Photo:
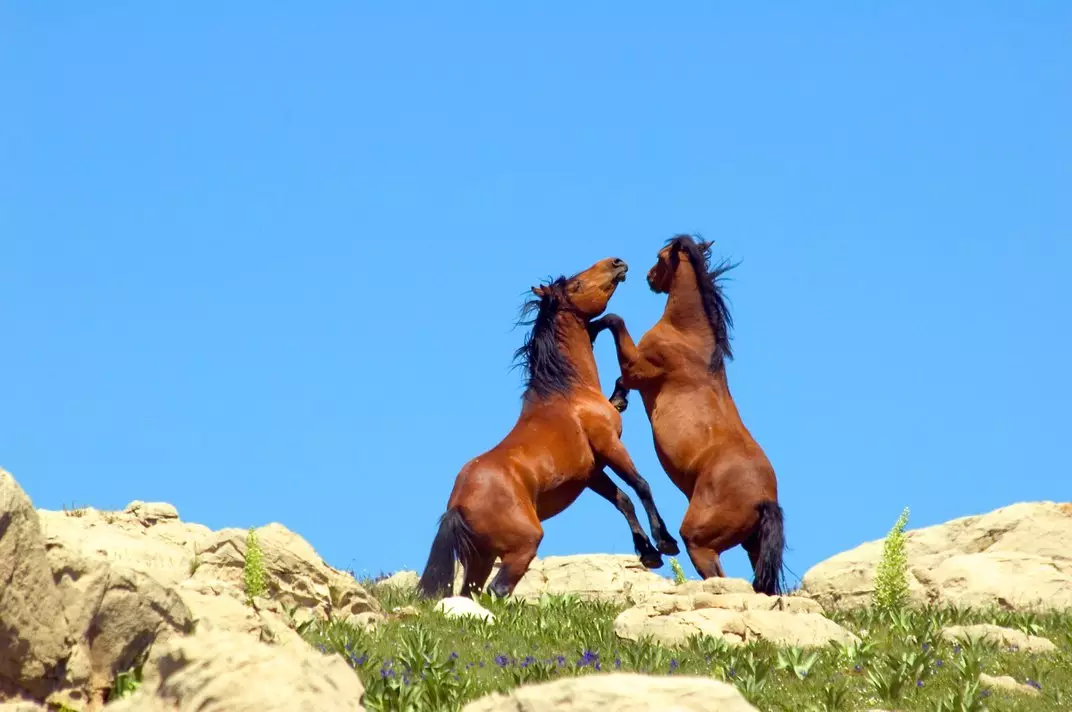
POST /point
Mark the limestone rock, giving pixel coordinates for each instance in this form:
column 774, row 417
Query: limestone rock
column 1007, row 683
column 140, row 538
column 619, row 578
column 115, row 614
column 211, row 671
column 621, row 692
column 297, row 576
column 461, row 606
column 33, row 630
column 737, row 618
column 21, row 706
column 1004, row 637
column 1015, row 557
column 220, row 606
column 406, row 580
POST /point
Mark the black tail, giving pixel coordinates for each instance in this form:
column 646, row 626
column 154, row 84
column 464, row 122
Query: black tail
column 771, row 535
column 453, row 540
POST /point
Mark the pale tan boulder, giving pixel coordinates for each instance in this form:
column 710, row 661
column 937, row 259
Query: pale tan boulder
column 221, row 671
column 1003, row 637
column 1015, row 557
column 620, row 692
column 736, row 617
column 405, row 580
column 34, row 644
column 462, row 607
column 1007, row 683
column 297, row 576
column 163, row 548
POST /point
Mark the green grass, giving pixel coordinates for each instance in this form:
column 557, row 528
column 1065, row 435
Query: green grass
column 430, row 662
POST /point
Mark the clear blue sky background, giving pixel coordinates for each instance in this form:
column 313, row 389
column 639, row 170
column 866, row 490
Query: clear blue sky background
column 264, row 262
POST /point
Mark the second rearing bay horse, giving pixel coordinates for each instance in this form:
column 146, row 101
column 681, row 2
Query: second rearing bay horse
column 568, row 431
column 679, row 369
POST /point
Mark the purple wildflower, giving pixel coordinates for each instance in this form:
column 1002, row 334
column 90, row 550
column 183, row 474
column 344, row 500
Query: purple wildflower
column 502, row 660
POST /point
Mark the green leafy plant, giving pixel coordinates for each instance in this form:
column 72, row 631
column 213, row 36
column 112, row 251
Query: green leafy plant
column 254, row 575
column 125, row 684
column 891, row 577
column 797, row 661
column 679, row 573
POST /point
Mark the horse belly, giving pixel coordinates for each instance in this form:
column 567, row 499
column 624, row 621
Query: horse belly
column 553, row 501
column 680, row 438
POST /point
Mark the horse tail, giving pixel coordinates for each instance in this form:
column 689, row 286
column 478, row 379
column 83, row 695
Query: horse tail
column 771, row 535
column 454, row 540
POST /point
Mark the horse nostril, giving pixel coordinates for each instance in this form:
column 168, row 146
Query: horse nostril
column 618, row 263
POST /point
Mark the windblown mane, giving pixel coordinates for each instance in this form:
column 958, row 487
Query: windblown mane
column 547, row 368
column 714, row 302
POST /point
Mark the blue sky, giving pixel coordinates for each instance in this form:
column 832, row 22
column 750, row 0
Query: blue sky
column 265, row 262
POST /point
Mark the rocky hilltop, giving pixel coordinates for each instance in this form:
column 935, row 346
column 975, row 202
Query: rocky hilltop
column 86, row 595
column 1017, row 557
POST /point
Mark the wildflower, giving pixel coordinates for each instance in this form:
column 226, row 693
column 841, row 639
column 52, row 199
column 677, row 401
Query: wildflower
column 561, row 660
column 919, row 683
column 617, row 663
column 529, row 660
column 453, row 655
column 674, row 665
column 588, row 658
column 1034, row 684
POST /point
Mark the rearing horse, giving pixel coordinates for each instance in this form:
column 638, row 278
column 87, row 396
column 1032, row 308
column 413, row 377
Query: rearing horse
column 567, row 432
column 708, row 453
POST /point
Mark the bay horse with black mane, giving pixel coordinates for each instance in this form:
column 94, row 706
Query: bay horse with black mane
column 679, row 368
column 565, row 436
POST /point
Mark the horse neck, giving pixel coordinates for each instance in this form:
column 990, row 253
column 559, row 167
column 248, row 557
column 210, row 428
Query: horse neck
column 685, row 311
column 576, row 346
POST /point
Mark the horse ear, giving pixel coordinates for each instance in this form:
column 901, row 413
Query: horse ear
column 540, row 292
column 706, row 244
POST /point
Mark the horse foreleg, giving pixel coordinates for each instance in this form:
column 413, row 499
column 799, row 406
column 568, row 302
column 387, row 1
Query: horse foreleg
column 604, row 486
column 613, row 453
column 636, row 370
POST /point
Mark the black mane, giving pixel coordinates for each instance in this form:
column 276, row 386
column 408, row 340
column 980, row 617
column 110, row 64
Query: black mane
column 714, row 302
column 548, row 369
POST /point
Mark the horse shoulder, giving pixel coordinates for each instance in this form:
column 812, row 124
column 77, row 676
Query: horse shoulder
column 595, row 414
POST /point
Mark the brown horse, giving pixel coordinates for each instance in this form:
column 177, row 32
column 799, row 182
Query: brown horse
column 567, row 432
column 679, row 369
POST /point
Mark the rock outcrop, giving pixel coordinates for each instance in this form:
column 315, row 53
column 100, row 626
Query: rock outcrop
column 86, row 594
column 1007, row 638
column 212, row 671
column 621, row 692
column 1015, row 557
column 610, row 577
column 34, row 638
column 728, row 609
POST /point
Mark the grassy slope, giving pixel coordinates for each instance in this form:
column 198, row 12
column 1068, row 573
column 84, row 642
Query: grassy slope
column 429, row 662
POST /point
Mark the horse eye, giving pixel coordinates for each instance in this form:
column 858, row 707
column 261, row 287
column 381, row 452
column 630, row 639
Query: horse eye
column 575, row 286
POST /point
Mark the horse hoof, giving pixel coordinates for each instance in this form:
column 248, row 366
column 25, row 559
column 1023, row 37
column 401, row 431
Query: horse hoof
column 651, row 561
column 669, row 547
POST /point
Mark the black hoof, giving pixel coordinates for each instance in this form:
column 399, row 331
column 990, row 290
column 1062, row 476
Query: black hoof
column 669, row 547
column 651, row 560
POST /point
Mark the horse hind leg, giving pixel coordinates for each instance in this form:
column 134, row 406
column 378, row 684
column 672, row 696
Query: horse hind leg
column 477, row 571
column 518, row 550
column 706, row 536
